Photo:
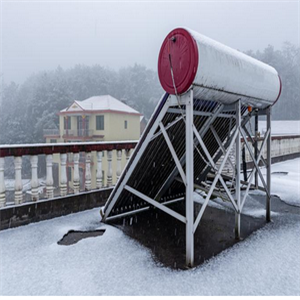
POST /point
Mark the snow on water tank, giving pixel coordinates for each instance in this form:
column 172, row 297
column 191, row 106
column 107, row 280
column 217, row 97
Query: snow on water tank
column 217, row 72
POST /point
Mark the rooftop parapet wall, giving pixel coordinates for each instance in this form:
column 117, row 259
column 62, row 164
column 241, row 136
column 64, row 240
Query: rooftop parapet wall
column 22, row 211
column 22, row 214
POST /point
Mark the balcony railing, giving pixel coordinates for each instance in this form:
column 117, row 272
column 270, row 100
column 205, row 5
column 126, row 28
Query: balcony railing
column 76, row 155
column 70, row 133
column 51, row 132
column 78, row 133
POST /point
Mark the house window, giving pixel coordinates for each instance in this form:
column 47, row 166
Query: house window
column 67, row 123
column 125, row 124
column 52, row 141
column 83, row 125
column 99, row 122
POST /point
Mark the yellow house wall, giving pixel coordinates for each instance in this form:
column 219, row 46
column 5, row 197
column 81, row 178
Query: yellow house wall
column 114, row 127
column 92, row 123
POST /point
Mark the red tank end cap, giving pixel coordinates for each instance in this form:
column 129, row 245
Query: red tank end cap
column 179, row 49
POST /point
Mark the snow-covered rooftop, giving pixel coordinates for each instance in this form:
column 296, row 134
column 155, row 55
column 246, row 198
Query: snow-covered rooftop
column 100, row 103
column 266, row 263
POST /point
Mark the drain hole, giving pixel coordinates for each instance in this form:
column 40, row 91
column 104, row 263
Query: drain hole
column 280, row 173
column 72, row 237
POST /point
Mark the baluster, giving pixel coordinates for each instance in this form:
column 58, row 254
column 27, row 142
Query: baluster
column 109, row 168
column 63, row 174
column 49, row 176
column 119, row 166
column 99, row 170
column 76, row 182
column 127, row 153
column 34, row 178
column 18, row 180
column 88, row 177
column 2, row 183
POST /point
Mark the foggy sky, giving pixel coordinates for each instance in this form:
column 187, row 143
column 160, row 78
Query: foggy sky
column 40, row 35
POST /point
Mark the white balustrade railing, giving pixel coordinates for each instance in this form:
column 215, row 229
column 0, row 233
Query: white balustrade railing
column 109, row 169
column 89, row 163
column 34, row 178
column 119, row 157
column 88, row 176
column 18, row 180
column 99, row 176
column 49, row 177
column 63, row 174
column 76, row 179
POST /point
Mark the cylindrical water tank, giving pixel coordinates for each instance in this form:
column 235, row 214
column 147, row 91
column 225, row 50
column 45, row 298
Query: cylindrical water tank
column 217, row 72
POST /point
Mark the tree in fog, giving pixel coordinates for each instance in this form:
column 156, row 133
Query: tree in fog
column 28, row 109
column 140, row 87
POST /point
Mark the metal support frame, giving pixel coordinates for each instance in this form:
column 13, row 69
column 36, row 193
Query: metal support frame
column 126, row 214
column 221, row 145
column 253, row 144
column 215, row 181
column 254, row 169
column 256, row 146
column 167, row 127
column 156, row 204
column 256, row 162
column 189, row 202
column 169, row 143
column 202, row 132
column 193, row 139
column 238, row 172
column 211, row 161
column 268, row 200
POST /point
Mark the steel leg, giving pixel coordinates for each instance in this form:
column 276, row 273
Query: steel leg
column 189, row 181
column 256, row 148
column 238, row 172
column 268, row 200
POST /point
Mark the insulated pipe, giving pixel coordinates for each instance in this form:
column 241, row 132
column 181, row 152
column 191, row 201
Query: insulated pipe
column 215, row 71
